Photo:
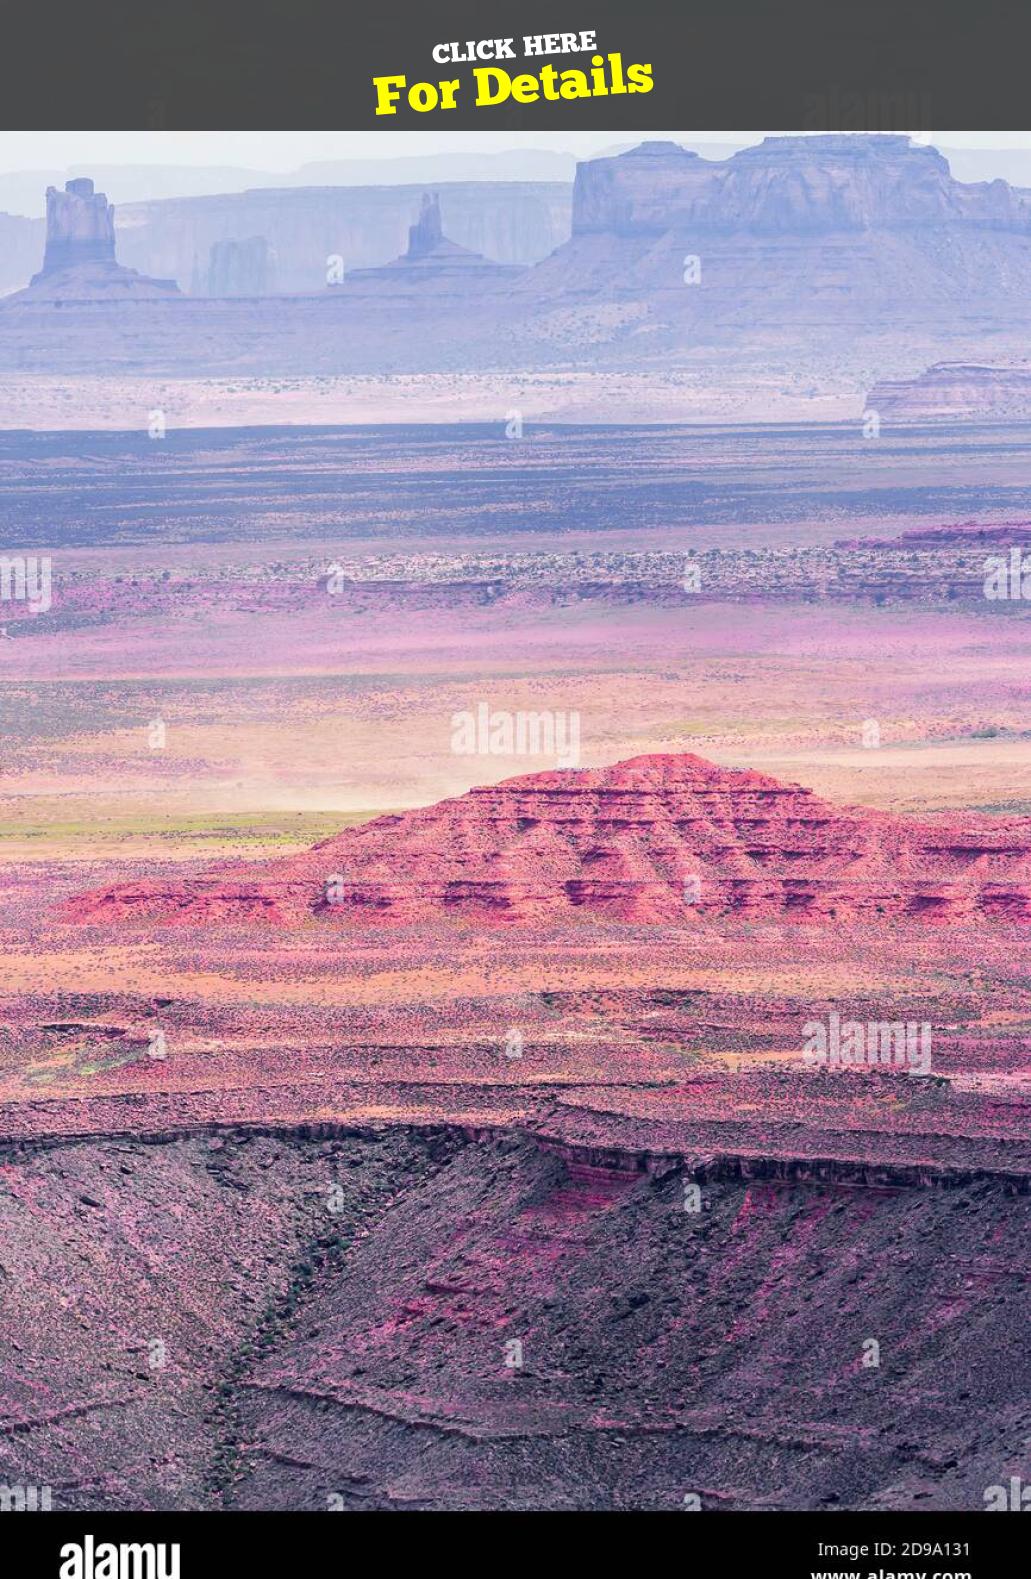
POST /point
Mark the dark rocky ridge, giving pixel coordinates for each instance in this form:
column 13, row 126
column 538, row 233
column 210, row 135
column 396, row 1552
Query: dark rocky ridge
column 355, row 1357
column 663, row 1353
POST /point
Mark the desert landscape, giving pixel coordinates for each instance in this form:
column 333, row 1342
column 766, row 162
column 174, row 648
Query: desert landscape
column 515, row 876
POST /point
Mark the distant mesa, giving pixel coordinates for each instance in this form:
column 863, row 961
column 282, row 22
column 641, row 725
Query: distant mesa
column 951, row 391
column 668, row 840
column 789, row 185
column 959, row 534
column 811, row 261
column 79, row 261
column 432, row 259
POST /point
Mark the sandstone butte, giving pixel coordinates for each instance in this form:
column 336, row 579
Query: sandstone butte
column 79, row 262
column 656, row 840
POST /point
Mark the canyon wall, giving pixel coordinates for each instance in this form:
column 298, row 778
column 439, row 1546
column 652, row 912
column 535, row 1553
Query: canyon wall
column 21, row 247
column 509, row 222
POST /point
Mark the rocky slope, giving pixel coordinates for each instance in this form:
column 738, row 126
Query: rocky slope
column 662, row 1354
column 136, row 1279
column 405, row 1318
column 654, row 840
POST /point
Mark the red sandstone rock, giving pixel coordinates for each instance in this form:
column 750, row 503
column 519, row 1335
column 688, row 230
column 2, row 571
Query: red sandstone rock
column 659, row 840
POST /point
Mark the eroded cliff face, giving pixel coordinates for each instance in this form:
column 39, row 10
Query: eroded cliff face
column 654, row 840
column 648, row 188
column 824, row 252
column 241, row 268
column 80, row 227
column 21, row 241
column 788, row 185
column 658, row 1352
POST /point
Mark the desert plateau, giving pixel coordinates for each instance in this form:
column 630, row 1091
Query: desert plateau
column 515, row 876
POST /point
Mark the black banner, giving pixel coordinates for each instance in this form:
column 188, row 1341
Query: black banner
column 818, row 65
column 754, row 1545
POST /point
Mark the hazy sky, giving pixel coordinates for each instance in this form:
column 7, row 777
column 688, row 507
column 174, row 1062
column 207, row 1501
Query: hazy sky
column 286, row 150
column 143, row 166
